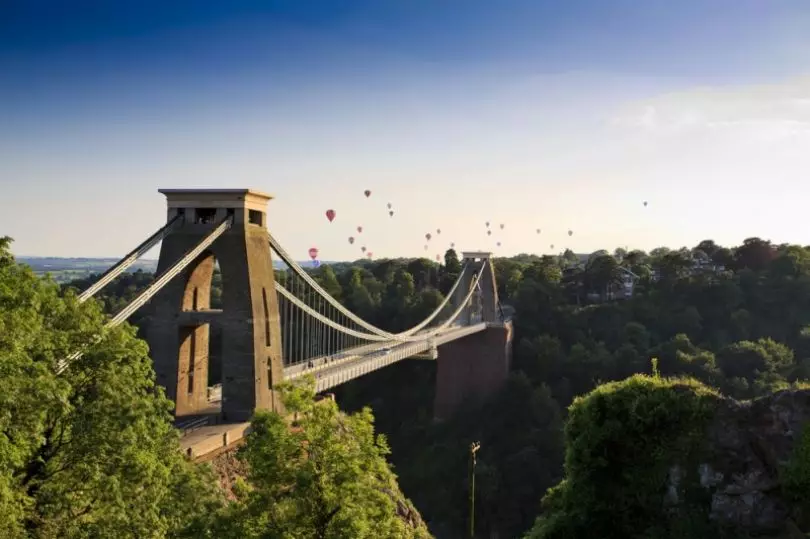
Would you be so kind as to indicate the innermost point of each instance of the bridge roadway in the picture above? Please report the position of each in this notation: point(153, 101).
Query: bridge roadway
point(353, 363)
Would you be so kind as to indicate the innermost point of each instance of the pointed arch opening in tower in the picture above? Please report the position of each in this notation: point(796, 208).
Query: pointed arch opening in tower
point(200, 355)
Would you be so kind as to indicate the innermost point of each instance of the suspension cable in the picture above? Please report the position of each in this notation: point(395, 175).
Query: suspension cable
point(292, 264)
point(377, 338)
point(130, 259)
point(153, 289)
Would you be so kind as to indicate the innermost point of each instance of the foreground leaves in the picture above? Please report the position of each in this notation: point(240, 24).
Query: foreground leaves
point(91, 453)
point(326, 477)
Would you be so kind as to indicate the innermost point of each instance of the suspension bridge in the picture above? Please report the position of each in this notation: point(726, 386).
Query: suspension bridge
point(280, 324)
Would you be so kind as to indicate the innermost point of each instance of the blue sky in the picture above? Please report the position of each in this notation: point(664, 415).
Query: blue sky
point(536, 114)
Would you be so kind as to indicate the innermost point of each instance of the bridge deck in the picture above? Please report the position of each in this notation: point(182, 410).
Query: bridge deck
point(212, 437)
point(353, 363)
point(365, 359)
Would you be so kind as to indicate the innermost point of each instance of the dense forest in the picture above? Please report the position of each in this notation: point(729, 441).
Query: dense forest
point(733, 319)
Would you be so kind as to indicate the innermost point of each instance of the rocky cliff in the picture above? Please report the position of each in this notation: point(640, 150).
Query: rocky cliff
point(754, 466)
point(671, 458)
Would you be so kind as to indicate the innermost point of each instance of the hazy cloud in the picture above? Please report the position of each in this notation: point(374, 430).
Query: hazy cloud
point(765, 113)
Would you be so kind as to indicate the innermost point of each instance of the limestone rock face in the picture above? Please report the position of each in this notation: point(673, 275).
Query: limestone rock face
point(748, 445)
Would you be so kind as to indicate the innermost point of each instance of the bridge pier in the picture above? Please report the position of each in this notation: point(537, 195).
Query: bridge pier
point(472, 368)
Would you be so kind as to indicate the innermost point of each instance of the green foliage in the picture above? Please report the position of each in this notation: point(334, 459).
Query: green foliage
point(325, 477)
point(795, 474)
point(91, 453)
point(622, 441)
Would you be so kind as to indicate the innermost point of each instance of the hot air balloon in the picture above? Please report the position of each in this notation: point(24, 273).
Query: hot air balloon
point(370, 254)
point(359, 229)
point(438, 258)
point(330, 214)
point(316, 263)
point(538, 230)
point(502, 225)
point(389, 205)
point(452, 245)
point(499, 244)
point(391, 213)
point(363, 248)
point(438, 231)
point(489, 232)
point(428, 236)
point(645, 203)
point(367, 193)
point(351, 240)
point(313, 253)
point(487, 223)
point(426, 247)
point(552, 246)
point(570, 232)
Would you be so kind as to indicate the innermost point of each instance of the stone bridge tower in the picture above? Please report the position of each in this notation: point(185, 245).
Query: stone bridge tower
point(181, 317)
point(475, 367)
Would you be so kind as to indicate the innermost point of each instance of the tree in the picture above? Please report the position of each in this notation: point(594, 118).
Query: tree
point(569, 258)
point(325, 476)
point(791, 263)
point(602, 273)
point(452, 265)
point(358, 297)
point(328, 280)
point(451, 270)
point(755, 254)
point(673, 265)
point(618, 461)
point(91, 452)
point(422, 270)
point(746, 359)
point(426, 302)
point(708, 247)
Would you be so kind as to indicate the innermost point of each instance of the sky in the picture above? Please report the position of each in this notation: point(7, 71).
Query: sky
point(534, 114)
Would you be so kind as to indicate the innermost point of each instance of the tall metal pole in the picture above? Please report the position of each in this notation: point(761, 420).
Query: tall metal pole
point(473, 450)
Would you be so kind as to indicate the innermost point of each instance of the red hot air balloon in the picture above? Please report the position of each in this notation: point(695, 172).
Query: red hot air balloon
point(330, 214)
point(351, 240)
point(428, 236)
point(367, 193)
point(363, 248)
point(370, 254)
point(359, 229)
point(313, 253)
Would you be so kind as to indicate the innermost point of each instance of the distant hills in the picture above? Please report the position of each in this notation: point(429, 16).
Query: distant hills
point(67, 269)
